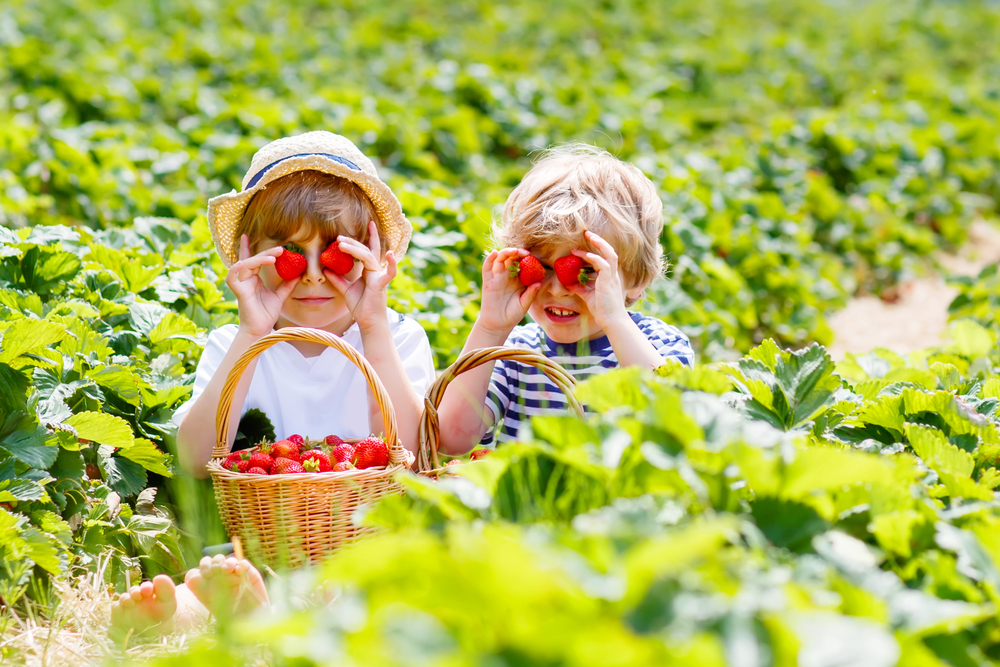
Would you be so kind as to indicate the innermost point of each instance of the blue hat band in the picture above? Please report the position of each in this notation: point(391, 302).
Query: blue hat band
point(336, 158)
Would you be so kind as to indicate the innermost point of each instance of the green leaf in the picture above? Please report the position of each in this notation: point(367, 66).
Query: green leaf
point(21, 489)
point(13, 390)
point(173, 326)
point(124, 476)
point(102, 428)
point(29, 443)
point(617, 388)
point(144, 316)
point(145, 453)
point(26, 336)
point(787, 523)
point(806, 378)
point(44, 268)
point(971, 339)
point(126, 384)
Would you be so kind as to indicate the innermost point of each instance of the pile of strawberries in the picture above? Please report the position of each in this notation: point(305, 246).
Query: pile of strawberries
point(297, 454)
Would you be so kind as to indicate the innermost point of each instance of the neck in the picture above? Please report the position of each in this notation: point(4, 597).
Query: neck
point(338, 327)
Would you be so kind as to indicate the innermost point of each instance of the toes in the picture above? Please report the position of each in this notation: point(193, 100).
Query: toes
point(164, 588)
point(126, 601)
point(135, 593)
point(146, 590)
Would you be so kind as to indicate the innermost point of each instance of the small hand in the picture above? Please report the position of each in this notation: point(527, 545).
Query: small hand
point(604, 294)
point(505, 301)
point(365, 297)
point(259, 306)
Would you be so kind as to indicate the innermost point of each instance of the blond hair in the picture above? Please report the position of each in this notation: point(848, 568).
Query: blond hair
point(310, 201)
point(576, 188)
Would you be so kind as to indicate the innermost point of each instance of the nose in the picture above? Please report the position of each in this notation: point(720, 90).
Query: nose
point(552, 285)
point(314, 268)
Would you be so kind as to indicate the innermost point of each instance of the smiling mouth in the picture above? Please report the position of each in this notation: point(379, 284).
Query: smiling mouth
point(313, 299)
point(560, 313)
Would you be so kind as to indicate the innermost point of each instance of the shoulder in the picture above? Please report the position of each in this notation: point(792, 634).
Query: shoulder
point(222, 338)
point(403, 327)
point(655, 327)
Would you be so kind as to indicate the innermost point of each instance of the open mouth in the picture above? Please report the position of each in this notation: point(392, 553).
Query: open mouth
point(561, 314)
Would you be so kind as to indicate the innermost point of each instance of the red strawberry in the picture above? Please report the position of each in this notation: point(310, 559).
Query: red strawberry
point(480, 453)
point(291, 263)
point(257, 471)
point(454, 462)
point(342, 466)
point(322, 461)
point(342, 452)
point(261, 460)
point(93, 472)
point(371, 453)
point(284, 466)
point(570, 271)
point(334, 440)
point(297, 439)
point(240, 465)
point(233, 458)
point(285, 449)
point(528, 270)
point(336, 259)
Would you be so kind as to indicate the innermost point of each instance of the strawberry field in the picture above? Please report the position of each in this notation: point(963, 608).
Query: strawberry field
point(768, 507)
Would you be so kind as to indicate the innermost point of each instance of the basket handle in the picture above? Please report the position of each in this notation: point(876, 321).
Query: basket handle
point(222, 416)
point(429, 433)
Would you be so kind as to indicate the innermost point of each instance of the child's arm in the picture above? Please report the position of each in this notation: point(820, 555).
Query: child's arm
point(259, 309)
point(505, 302)
point(606, 303)
point(366, 299)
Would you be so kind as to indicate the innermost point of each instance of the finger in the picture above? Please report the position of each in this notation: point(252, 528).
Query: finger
point(390, 268)
point(488, 264)
point(338, 282)
point(529, 294)
point(244, 247)
point(595, 260)
point(286, 288)
point(374, 242)
point(360, 252)
point(505, 258)
point(605, 248)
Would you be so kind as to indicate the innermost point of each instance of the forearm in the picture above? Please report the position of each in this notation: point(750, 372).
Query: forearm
point(196, 434)
point(381, 353)
point(463, 407)
point(631, 346)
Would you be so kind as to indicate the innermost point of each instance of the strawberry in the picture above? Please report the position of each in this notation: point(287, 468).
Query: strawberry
point(371, 452)
point(283, 466)
point(336, 259)
point(235, 457)
point(285, 449)
point(239, 465)
point(261, 460)
point(570, 271)
point(528, 270)
point(316, 459)
point(334, 441)
point(480, 453)
point(296, 438)
point(342, 452)
point(257, 471)
point(291, 263)
point(454, 462)
point(93, 472)
point(342, 466)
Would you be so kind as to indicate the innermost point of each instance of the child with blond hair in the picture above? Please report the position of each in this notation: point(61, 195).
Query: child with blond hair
point(593, 224)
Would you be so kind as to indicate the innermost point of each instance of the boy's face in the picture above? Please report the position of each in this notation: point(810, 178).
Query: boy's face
point(314, 302)
point(563, 316)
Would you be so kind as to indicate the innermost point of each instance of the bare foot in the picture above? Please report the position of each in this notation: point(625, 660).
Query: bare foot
point(151, 604)
point(227, 585)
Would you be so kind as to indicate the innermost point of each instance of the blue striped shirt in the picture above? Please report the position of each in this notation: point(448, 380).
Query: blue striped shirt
point(518, 392)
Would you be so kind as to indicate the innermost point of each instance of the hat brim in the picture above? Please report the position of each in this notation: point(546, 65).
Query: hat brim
point(225, 212)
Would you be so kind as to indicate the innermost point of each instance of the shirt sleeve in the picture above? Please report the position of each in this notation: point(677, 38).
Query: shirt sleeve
point(218, 343)
point(669, 341)
point(415, 352)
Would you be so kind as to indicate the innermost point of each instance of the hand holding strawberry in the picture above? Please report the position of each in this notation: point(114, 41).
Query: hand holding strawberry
point(366, 297)
point(259, 306)
point(604, 291)
point(336, 259)
point(505, 299)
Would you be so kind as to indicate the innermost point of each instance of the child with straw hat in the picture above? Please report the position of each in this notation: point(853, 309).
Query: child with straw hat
point(301, 195)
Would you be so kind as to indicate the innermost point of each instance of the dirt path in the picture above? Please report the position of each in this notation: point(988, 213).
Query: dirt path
point(920, 318)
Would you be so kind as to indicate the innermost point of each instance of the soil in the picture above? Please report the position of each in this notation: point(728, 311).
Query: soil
point(919, 318)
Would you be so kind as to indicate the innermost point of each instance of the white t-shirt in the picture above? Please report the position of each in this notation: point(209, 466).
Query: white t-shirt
point(315, 396)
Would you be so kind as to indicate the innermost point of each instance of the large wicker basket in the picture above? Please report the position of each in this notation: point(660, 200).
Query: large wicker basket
point(429, 434)
point(286, 520)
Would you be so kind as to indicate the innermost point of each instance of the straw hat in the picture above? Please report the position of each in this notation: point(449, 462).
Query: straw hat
point(316, 151)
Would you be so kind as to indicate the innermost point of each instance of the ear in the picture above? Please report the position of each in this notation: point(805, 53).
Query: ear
point(633, 294)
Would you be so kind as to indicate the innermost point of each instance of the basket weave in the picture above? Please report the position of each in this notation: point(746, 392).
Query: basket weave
point(286, 520)
point(429, 433)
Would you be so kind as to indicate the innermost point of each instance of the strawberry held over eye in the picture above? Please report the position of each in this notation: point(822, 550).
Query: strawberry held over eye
point(336, 259)
point(291, 263)
point(528, 270)
point(570, 271)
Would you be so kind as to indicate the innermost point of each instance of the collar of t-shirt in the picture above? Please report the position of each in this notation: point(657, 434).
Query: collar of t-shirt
point(599, 346)
point(351, 335)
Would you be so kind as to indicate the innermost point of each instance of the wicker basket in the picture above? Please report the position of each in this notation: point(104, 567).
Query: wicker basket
point(286, 520)
point(429, 434)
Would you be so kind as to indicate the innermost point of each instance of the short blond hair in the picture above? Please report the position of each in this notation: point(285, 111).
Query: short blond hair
point(310, 201)
point(576, 188)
